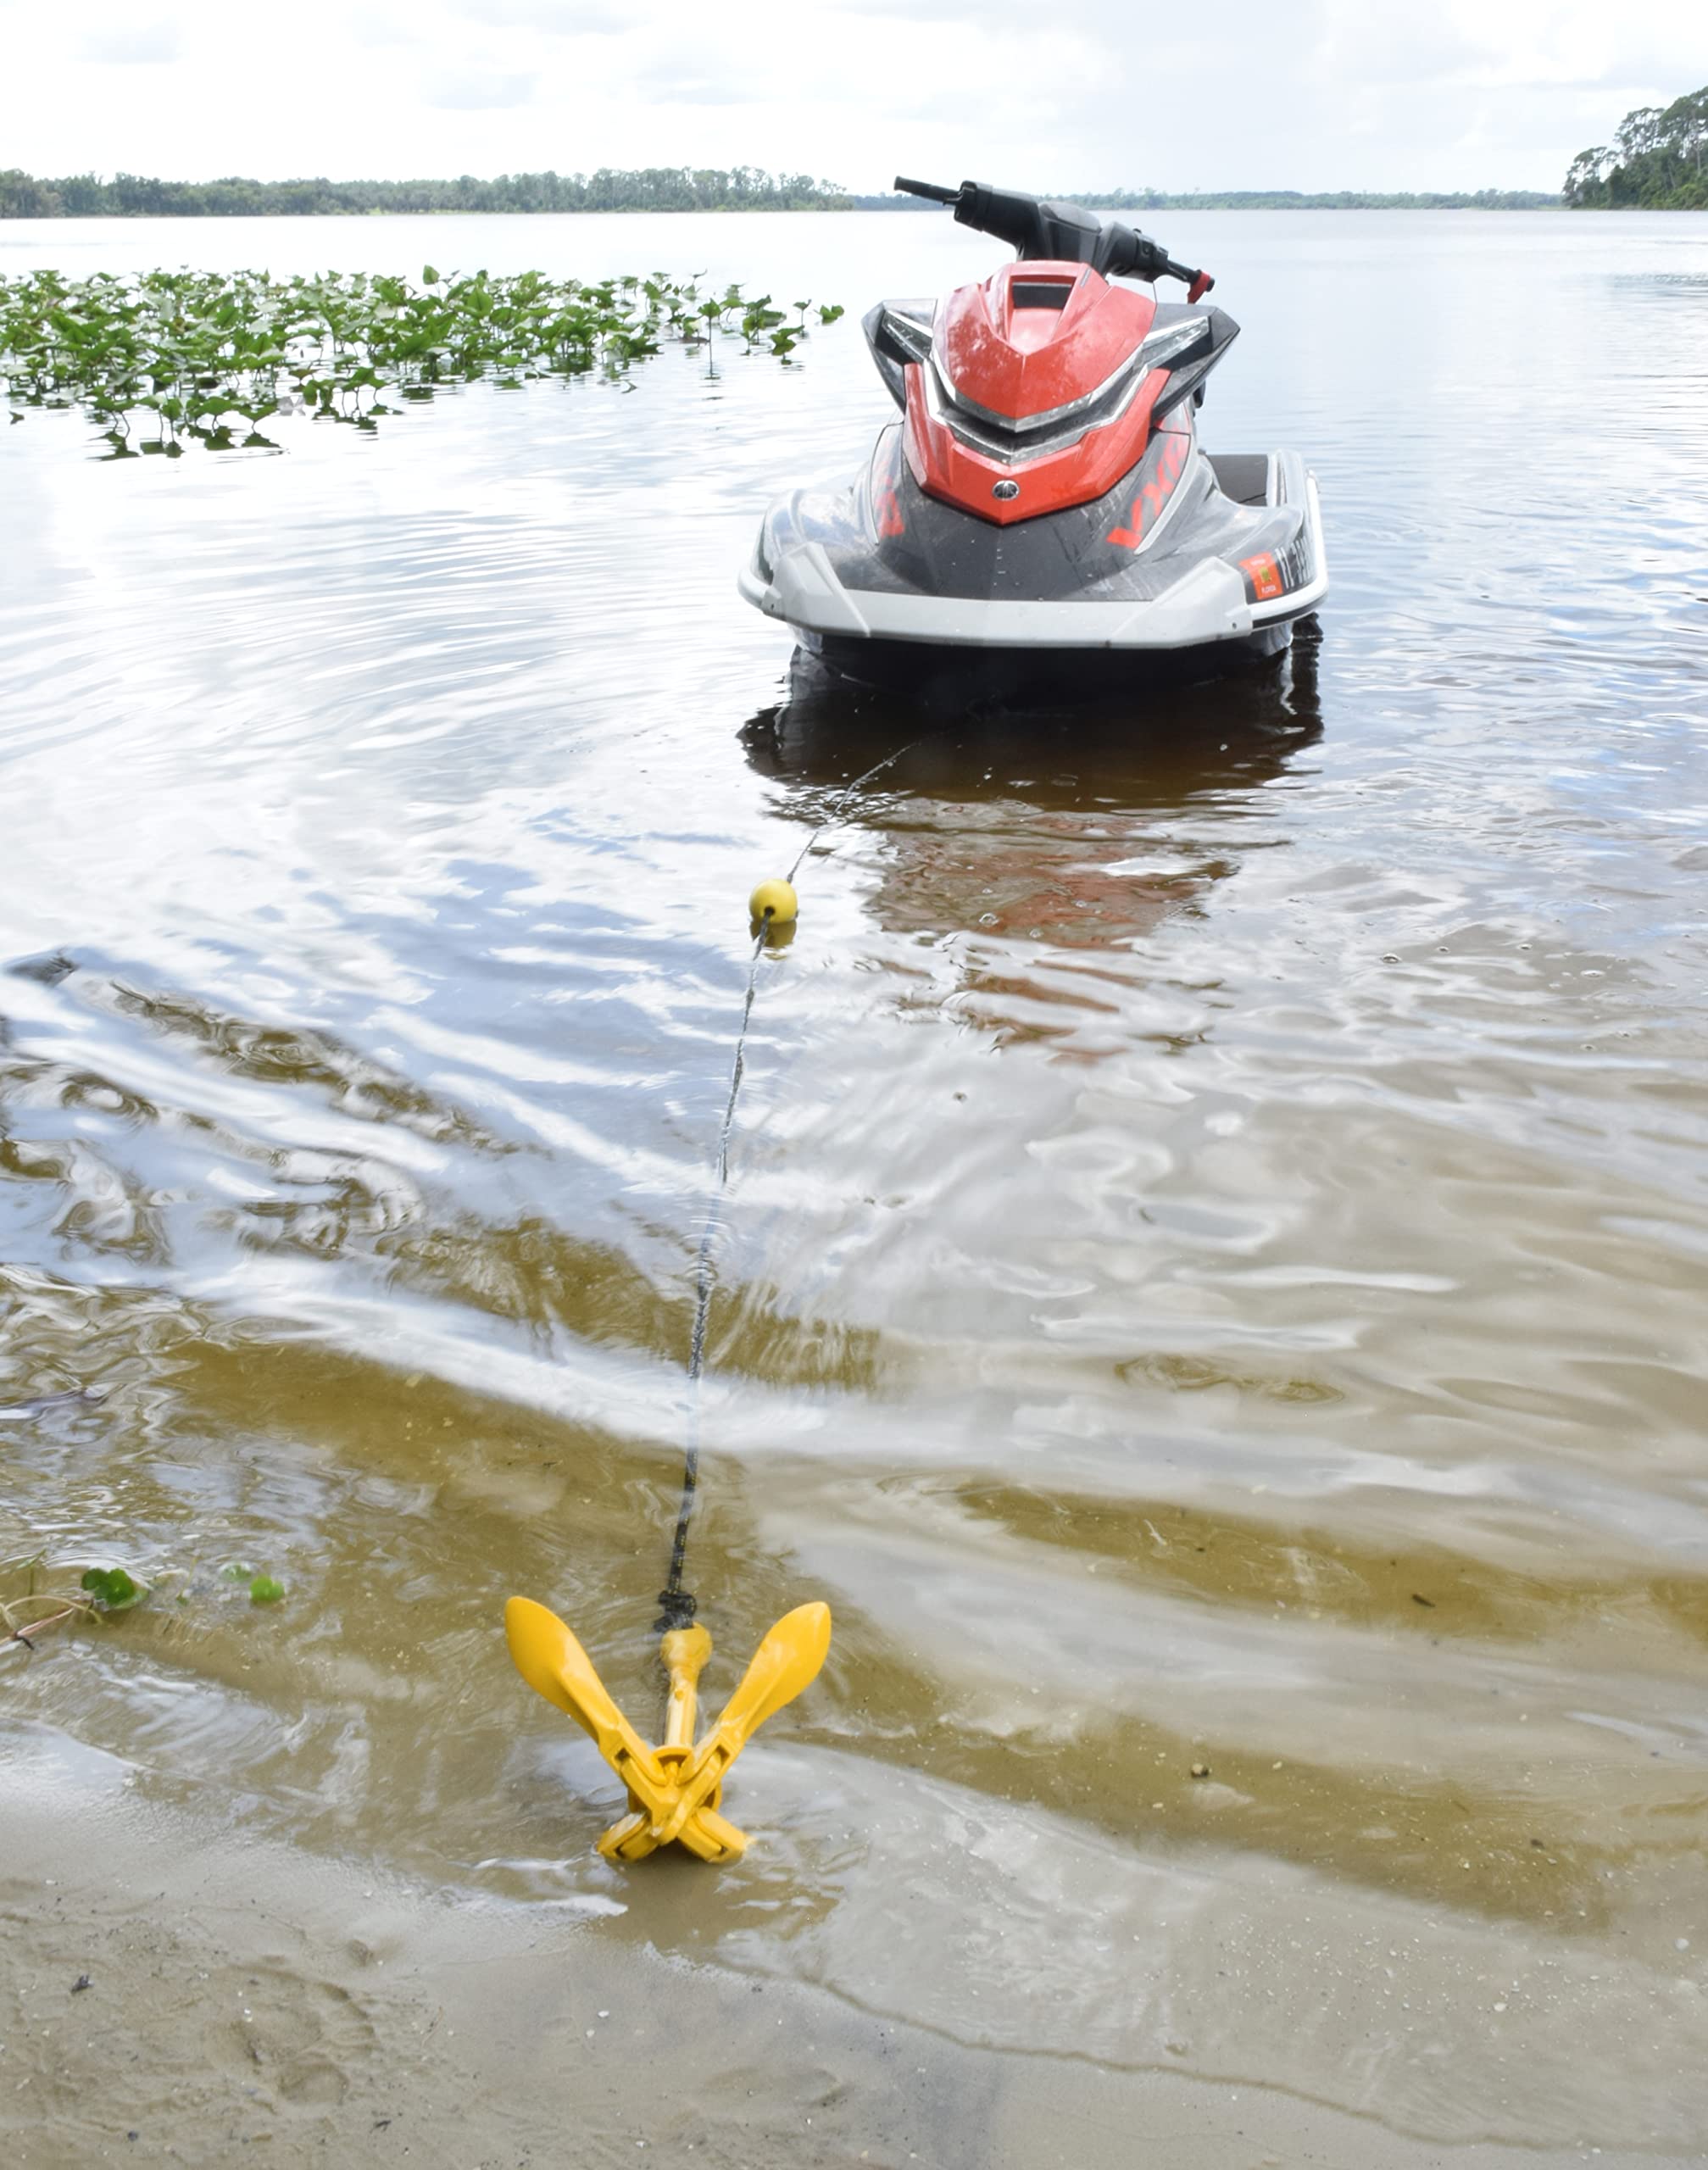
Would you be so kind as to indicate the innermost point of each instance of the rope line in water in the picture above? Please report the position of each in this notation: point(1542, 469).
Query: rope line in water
point(677, 1605)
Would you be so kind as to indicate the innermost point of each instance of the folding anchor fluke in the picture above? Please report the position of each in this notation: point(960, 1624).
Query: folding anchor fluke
point(674, 1790)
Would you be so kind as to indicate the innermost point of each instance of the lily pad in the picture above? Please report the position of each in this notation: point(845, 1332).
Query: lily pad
point(112, 1588)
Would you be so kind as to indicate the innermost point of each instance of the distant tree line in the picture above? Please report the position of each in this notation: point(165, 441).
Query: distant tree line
point(1340, 199)
point(1657, 161)
point(653, 188)
point(1266, 199)
point(668, 188)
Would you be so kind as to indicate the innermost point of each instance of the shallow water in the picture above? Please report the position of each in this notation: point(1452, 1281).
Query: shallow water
point(1215, 1263)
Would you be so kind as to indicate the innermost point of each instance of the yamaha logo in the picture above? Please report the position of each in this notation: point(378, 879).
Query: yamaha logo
point(1006, 490)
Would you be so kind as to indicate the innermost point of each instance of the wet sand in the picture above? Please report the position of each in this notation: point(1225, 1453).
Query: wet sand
point(244, 1993)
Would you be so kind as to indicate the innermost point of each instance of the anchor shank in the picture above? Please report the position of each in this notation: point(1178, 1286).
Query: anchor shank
point(684, 1652)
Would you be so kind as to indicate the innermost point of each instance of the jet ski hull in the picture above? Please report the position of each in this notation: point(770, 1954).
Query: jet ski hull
point(1185, 552)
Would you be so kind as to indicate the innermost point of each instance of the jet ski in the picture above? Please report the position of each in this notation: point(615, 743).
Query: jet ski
point(1043, 494)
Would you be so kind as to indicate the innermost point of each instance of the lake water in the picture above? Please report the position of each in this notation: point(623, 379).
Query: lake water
point(1215, 1266)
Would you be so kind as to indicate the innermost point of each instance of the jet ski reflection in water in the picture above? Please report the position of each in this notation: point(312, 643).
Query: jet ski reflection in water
point(1043, 498)
point(1034, 836)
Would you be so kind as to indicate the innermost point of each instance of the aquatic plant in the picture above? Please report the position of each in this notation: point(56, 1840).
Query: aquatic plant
point(206, 357)
point(46, 1598)
point(112, 1588)
point(35, 1596)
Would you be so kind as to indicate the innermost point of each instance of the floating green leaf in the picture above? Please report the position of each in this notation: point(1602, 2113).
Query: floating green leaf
point(265, 1590)
point(112, 1588)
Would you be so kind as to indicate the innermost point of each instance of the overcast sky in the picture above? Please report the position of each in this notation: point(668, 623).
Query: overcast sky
point(1078, 95)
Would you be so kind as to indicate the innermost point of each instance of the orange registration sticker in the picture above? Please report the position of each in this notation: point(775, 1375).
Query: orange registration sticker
point(1264, 576)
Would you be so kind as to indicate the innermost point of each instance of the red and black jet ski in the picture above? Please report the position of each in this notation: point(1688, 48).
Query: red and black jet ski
point(1045, 491)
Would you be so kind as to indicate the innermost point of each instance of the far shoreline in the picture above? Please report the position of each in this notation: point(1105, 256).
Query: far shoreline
point(651, 189)
point(761, 210)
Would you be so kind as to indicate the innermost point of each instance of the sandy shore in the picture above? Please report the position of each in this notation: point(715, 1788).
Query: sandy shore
point(240, 1994)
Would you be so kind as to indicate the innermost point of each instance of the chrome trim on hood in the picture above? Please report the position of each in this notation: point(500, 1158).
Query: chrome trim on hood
point(909, 333)
point(1154, 351)
point(939, 398)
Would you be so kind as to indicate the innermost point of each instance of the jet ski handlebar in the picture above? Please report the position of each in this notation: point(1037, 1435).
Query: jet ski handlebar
point(928, 189)
point(1063, 232)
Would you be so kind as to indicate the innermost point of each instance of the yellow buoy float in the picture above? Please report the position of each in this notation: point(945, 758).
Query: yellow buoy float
point(776, 901)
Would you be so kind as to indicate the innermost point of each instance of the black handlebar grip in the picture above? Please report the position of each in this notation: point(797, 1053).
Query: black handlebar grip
point(1133, 255)
point(1198, 284)
point(928, 189)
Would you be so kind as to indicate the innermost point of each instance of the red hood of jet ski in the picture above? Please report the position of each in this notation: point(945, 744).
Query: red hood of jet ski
point(1038, 336)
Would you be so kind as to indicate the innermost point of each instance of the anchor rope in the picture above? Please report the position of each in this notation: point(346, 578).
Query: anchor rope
point(677, 1605)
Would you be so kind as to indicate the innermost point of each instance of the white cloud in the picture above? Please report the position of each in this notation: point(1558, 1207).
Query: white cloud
point(555, 17)
point(480, 90)
point(127, 44)
point(380, 26)
point(1091, 93)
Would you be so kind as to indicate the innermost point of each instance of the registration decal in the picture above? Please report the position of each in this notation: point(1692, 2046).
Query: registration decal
point(1264, 576)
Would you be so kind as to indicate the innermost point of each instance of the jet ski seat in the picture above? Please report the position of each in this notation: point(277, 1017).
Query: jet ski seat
point(1243, 475)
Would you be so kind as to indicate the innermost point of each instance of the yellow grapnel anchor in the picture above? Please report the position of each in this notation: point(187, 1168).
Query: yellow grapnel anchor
point(674, 1791)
